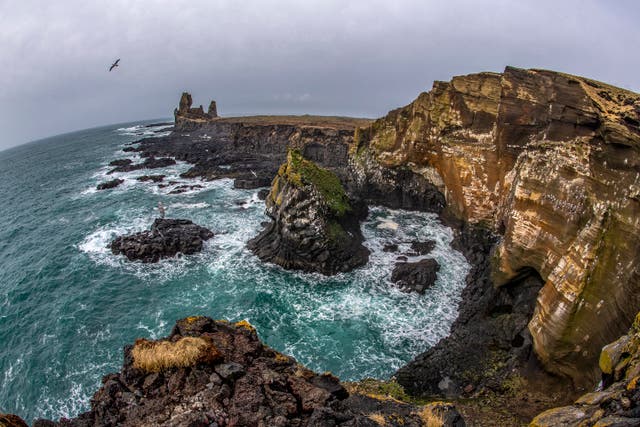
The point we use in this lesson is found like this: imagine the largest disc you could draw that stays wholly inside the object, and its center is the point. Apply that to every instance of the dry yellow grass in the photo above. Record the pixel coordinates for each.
(378, 419)
(156, 356)
(430, 418)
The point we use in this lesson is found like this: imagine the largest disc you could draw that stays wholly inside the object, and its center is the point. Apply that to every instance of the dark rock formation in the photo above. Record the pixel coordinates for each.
(423, 248)
(618, 403)
(166, 238)
(152, 178)
(120, 162)
(314, 225)
(532, 155)
(489, 344)
(187, 117)
(185, 187)
(224, 376)
(109, 184)
(263, 193)
(150, 162)
(415, 276)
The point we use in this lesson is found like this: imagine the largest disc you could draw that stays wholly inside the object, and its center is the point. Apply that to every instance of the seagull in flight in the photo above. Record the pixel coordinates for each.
(114, 65)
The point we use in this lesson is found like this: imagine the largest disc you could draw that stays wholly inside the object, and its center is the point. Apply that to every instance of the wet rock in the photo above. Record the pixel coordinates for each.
(391, 247)
(185, 187)
(166, 238)
(120, 162)
(109, 184)
(423, 248)
(263, 193)
(415, 276)
(152, 178)
(150, 162)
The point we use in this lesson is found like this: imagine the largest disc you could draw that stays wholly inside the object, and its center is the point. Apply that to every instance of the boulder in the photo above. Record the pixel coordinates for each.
(152, 178)
(166, 238)
(109, 184)
(415, 276)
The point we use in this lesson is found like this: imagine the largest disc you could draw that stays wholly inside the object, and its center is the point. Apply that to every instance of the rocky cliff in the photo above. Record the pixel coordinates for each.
(618, 402)
(314, 225)
(187, 117)
(216, 373)
(550, 162)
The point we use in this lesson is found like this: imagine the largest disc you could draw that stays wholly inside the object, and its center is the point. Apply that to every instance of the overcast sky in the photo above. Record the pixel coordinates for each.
(359, 58)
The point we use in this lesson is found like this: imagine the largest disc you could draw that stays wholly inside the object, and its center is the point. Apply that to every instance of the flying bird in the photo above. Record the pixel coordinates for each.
(114, 65)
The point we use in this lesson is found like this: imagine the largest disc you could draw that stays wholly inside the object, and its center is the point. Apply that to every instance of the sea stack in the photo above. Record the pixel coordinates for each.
(314, 225)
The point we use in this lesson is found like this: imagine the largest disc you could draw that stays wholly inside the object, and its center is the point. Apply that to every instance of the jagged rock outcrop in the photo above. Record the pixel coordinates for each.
(618, 403)
(109, 184)
(151, 162)
(549, 161)
(166, 238)
(11, 420)
(314, 225)
(415, 276)
(216, 373)
(187, 117)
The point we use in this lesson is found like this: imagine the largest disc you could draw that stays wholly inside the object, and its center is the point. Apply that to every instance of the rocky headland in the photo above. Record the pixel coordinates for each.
(314, 226)
(537, 173)
(216, 373)
(166, 238)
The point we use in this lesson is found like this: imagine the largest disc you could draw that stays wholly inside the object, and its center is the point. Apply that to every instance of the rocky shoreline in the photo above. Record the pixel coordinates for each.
(520, 164)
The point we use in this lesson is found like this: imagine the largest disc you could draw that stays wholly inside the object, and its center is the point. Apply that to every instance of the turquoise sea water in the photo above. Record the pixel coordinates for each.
(68, 306)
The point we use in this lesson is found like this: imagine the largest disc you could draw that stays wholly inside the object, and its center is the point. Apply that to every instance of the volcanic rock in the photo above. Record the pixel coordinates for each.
(423, 248)
(109, 184)
(11, 420)
(224, 376)
(166, 238)
(415, 276)
(314, 225)
(152, 178)
(120, 162)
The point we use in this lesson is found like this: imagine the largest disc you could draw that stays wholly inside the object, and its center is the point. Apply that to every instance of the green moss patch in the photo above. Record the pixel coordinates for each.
(300, 172)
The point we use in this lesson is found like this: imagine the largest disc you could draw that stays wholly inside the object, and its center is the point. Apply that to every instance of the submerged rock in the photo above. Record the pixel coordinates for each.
(314, 227)
(109, 184)
(218, 373)
(150, 162)
(415, 276)
(152, 178)
(166, 238)
(423, 248)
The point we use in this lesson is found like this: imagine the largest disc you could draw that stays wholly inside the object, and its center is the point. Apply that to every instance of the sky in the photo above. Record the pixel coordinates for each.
(356, 58)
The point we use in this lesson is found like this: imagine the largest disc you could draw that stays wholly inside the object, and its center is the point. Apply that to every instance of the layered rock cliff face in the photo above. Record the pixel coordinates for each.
(549, 161)
(314, 225)
(618, 403)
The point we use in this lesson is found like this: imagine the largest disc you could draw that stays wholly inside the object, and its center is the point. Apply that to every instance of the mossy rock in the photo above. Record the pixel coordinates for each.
(300, 172)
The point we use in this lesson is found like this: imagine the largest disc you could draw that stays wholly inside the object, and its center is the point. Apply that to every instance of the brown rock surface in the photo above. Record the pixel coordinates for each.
(551, 162)
(235, 380)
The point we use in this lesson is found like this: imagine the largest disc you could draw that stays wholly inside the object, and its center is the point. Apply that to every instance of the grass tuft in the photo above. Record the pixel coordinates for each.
(156, 356)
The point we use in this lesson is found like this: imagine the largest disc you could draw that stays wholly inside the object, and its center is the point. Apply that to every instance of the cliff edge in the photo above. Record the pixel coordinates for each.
(550, 162)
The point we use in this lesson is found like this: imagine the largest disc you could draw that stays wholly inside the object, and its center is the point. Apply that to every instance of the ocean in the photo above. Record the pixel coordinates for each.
(68, 306)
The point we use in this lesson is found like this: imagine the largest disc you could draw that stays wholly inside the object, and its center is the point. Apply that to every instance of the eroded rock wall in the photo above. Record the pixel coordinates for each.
(550, 161)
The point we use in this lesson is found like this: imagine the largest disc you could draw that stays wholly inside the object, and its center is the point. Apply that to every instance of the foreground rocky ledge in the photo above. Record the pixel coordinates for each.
(314, 227)
(166, 238)
(215, 373)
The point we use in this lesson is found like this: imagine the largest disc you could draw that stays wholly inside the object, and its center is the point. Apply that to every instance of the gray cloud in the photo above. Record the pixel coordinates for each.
(357, 58)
